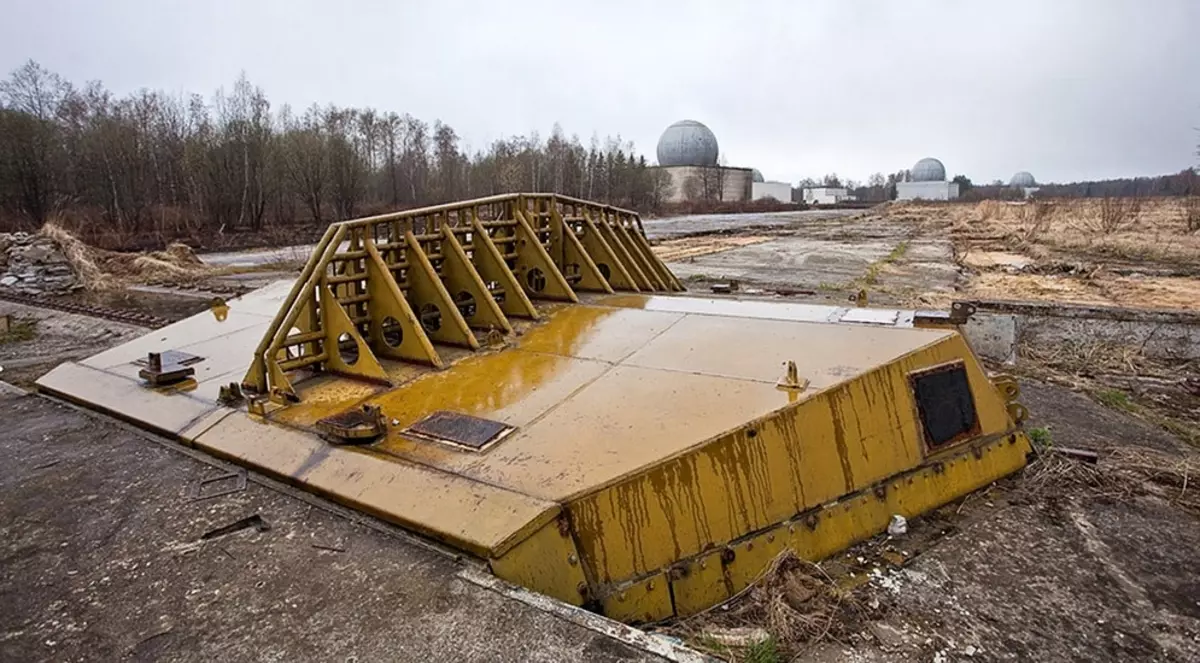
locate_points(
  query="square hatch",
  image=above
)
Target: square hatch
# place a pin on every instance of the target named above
(460, 430)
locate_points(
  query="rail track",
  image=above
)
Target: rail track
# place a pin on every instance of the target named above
(116, 315)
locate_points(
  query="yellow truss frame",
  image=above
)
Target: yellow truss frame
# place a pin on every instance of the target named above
(394, 285)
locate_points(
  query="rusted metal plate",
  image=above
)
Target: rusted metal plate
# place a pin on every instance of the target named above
(459, 429)
(358, 424)
(170, 357)
(945, 404)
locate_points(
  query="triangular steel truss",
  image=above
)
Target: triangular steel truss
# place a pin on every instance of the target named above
(394, 286)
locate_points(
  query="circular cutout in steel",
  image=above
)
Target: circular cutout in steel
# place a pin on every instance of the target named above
(431, 317)
(605, 271)
(347, 348)
(535, 279)
(393, 334)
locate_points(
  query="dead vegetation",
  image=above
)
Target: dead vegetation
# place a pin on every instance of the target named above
(100, 269)
(795, 604)
(1121, 377)
(1141, 252)
(1123, 473)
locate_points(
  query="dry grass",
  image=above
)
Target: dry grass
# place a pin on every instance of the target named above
(1123, 473)
(795, 601)
(1189, 213)
(99, 269)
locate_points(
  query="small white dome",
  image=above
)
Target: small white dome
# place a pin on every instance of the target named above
(1023, 180)
(929, 170)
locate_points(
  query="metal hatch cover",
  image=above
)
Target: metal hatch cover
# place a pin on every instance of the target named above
(460, 430)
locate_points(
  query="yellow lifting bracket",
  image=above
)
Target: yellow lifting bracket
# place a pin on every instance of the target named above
(394, 285)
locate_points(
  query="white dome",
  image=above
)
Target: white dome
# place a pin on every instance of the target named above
(687, 143)
(1023, 180)
(929, 170)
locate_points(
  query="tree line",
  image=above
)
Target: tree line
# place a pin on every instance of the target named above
(151, 163)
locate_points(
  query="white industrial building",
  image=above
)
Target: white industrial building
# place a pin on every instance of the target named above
(927, 181)
(781, 191)
(825, 195)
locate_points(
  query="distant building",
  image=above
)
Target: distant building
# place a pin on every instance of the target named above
(928, 182)
(781, 191)
(825, 195)
(687, 153)
(1025, 182)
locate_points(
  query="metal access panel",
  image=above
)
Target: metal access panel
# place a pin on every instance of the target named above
(519, 378)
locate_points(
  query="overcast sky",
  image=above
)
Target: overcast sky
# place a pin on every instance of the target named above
(1066, 89)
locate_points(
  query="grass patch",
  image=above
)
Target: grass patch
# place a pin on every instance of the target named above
(764, 651)
(872, 275)
(897, 252)
(1116, 399)
(19, 329)
(1041, 437)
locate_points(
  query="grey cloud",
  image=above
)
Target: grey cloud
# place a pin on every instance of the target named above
(1066, 89)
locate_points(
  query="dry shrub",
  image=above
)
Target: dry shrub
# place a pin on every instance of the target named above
(1118, 214)
(988, 209)
(1037, 216)
(1189, 213)
(795, 601)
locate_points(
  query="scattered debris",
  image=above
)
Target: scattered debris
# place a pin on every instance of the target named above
(898, 526)
(238, 484)
(1081, 455)
(256, 521)
(34, 264)
(334, 548)
(737, 636)
(794, 604)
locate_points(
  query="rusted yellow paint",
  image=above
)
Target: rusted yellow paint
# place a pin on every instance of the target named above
(644, 601)
(483, 520)
(716, 575)
(547, 560)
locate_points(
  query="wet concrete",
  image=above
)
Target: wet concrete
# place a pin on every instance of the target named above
(831, 257)
(656, 229)
(701, 224)
(104, 556)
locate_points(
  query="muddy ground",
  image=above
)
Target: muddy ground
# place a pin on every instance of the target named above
(107, 554)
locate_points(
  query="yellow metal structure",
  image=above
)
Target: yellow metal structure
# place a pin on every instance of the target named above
(640, 452)
(394, 284)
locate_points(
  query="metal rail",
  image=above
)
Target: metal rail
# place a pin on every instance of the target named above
(116, 315)
(393, 285)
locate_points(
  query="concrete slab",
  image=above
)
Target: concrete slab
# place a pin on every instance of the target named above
(105, 558)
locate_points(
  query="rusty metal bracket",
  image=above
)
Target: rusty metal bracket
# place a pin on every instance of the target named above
(356, 426)
(167, 368)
